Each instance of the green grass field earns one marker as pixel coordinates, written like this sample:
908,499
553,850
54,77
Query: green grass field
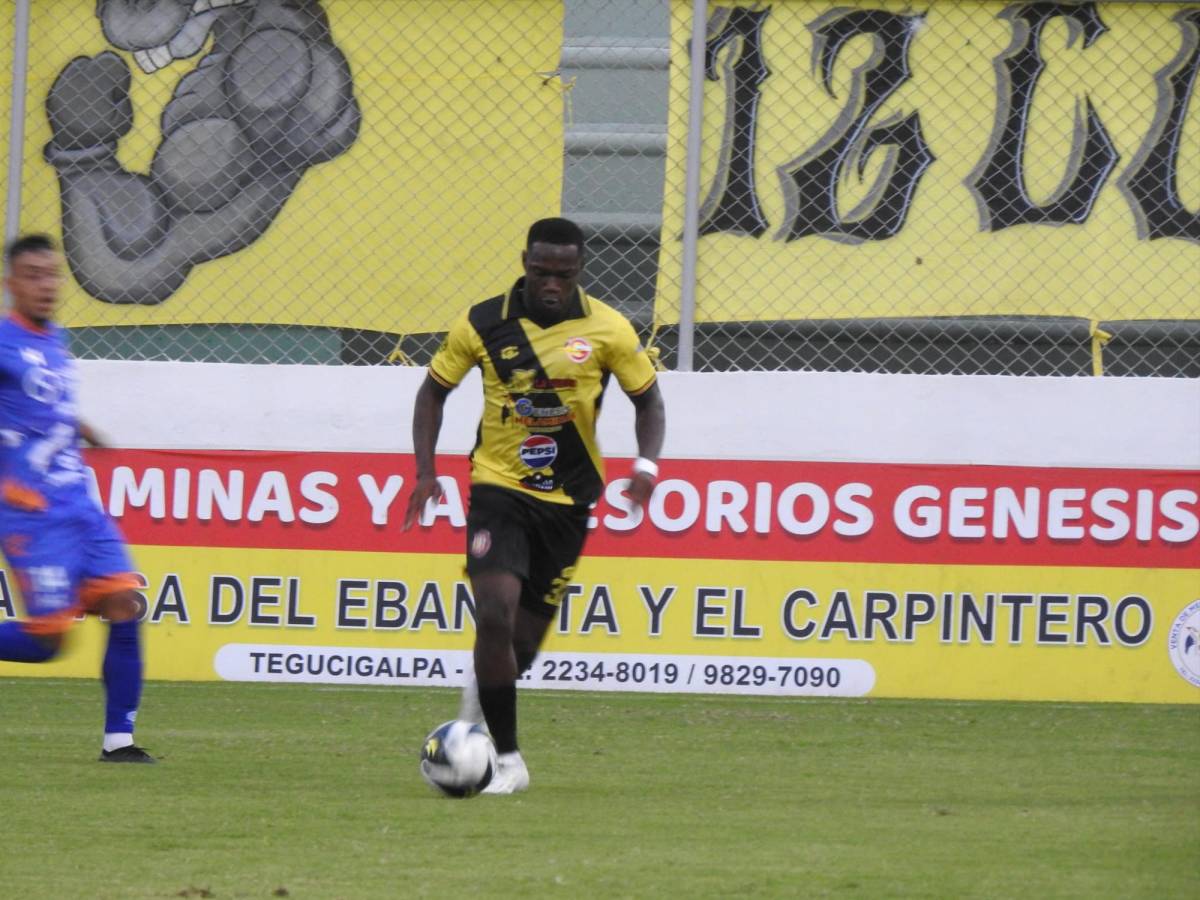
313,792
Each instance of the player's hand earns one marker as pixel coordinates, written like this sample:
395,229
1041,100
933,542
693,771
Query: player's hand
91,436
641,486
426,489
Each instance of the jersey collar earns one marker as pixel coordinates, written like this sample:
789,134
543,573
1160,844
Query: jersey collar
28,324
514,303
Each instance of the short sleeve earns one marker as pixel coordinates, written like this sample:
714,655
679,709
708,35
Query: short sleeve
457,355
627,360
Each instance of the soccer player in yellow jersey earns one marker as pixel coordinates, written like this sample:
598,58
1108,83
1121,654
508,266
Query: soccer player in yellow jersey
546,350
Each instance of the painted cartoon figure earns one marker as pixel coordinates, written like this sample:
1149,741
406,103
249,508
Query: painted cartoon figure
272,97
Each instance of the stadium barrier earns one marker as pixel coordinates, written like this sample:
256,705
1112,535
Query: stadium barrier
811,534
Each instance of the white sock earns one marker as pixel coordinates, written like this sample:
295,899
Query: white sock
510,759
469,709
117,740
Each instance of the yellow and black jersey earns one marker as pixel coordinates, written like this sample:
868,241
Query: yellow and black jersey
541,390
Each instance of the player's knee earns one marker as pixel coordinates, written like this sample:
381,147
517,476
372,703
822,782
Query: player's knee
123,606
493,623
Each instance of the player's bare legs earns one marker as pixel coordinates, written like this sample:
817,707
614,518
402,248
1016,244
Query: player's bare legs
38,641
122,606
529,630
497,595
528,633
497,613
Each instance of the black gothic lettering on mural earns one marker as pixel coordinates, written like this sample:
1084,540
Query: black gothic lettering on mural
1151,183
810,182
998,182
271,98
732,204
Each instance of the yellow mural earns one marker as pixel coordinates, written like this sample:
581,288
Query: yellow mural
336,163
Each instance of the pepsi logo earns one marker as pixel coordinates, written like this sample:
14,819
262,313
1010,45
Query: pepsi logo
538,451
578,349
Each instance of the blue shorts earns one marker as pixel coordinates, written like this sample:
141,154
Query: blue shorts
65,558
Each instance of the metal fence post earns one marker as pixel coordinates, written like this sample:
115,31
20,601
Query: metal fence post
691,202
16,125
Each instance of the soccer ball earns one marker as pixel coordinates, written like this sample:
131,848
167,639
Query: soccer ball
458,759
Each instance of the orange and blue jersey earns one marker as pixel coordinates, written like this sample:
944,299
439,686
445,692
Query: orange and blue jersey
59,543
39,416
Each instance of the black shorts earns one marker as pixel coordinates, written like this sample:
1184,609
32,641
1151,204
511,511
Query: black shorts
538,541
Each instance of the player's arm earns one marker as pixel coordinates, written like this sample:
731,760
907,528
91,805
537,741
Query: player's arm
426,425
458,353
90,435
649,425
627,359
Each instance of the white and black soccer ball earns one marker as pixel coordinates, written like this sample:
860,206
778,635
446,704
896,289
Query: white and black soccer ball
458,758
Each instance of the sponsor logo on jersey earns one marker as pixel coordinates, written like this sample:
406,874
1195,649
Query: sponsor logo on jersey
536,481
544,423
538,451
1183,643
527,410
578,349
43,385
509,352
542,418
552,384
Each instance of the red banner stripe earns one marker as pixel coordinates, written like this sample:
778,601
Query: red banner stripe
703,509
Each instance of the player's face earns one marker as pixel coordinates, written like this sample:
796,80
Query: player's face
551,279
33,281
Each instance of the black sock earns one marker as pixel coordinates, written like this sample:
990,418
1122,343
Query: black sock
525,659
500,710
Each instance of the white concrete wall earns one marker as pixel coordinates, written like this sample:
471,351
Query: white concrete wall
987,420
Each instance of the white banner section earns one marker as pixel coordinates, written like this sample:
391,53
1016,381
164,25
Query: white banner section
646,672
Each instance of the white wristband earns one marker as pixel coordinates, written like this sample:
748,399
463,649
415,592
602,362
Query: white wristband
643,466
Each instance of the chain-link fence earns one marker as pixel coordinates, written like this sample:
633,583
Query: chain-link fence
961,187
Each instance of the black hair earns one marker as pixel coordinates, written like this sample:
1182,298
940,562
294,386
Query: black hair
28,243
555,231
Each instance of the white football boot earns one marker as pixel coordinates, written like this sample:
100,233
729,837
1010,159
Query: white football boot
511,775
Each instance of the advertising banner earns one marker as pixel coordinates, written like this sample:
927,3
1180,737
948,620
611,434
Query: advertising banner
950,159
741,576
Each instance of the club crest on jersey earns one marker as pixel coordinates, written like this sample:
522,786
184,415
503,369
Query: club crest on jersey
538,451
578,349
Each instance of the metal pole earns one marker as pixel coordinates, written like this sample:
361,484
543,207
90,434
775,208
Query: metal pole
16,125
691,199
